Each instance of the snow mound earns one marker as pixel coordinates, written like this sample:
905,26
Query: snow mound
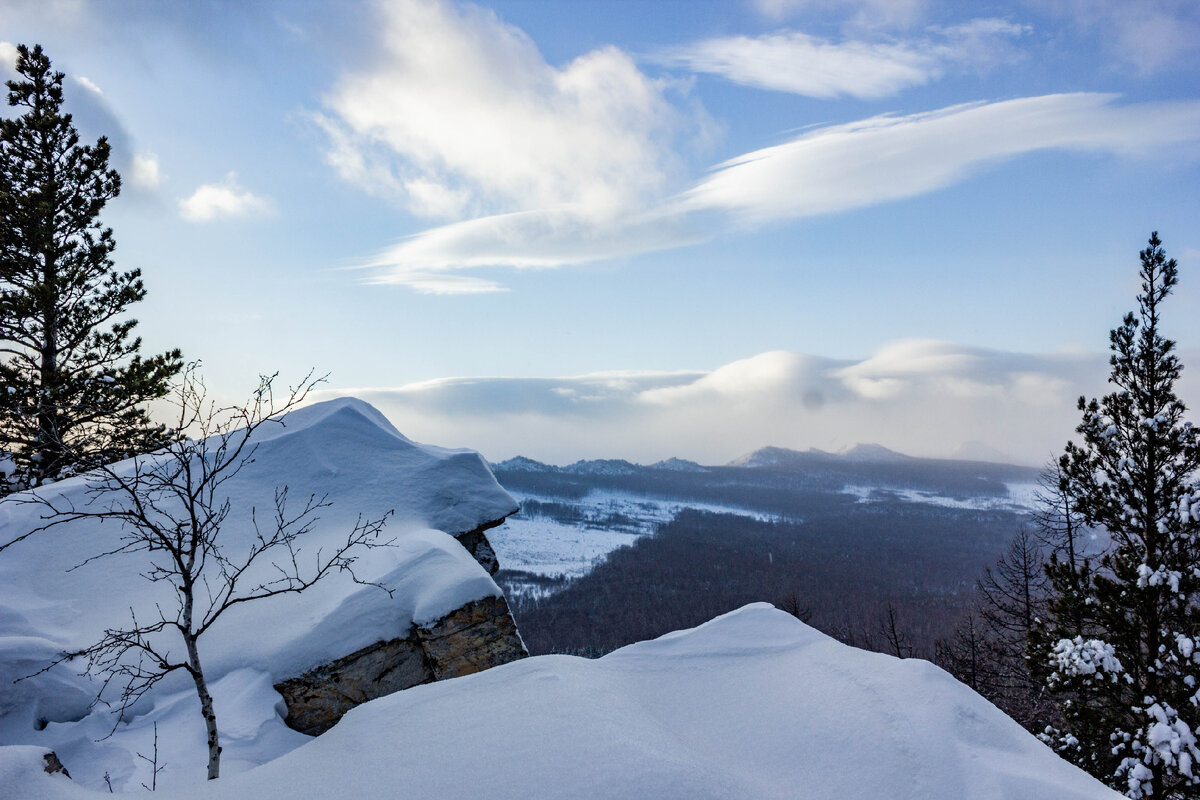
753,704
343,449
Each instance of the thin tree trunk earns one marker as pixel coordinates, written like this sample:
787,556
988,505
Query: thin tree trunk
197,672
47,424
206,709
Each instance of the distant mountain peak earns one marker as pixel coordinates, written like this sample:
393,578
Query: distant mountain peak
602,466
766,457
782,456
679,465
523,464
872,452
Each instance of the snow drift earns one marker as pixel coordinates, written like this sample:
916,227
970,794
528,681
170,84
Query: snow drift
753,704
344,449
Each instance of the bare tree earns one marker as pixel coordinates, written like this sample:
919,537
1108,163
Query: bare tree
171,506
793,603
897,643
965,653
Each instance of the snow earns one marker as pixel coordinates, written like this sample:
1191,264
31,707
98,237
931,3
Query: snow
545,546
753,704
1021,497
343,448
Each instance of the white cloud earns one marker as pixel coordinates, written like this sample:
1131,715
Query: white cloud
525,240
827,170
225,200
888,158
88,84
8,55
460,114
790,61
920,397
145,172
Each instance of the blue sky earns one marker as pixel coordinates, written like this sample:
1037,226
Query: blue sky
650,229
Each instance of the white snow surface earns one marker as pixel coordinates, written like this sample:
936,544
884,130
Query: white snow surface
342,448
753,704
552,548
1021,497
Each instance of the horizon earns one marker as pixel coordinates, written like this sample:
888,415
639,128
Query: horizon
606,230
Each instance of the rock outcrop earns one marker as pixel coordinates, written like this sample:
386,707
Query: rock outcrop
53,765
477,544
479,635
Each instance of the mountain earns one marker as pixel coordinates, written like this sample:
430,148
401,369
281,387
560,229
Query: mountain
873,453
753,704
678,465
784,457
602,466
523,464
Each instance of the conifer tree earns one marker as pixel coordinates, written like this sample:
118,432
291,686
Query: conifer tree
1121,649
73,386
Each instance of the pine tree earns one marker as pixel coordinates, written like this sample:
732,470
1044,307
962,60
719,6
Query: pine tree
1121,650
73,386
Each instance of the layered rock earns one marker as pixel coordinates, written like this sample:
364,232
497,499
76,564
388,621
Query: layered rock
477,544
479,635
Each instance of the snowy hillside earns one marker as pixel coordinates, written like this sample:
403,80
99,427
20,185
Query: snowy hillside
344,449
753,704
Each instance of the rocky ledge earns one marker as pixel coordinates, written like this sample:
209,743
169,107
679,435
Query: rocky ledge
479,635
472,638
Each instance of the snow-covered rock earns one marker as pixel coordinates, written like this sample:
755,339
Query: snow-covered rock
753,704
443,601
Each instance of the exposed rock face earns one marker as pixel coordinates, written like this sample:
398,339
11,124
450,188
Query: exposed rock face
479,635
317,699
477,544
53,765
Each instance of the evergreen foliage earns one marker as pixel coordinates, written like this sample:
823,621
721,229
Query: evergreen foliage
73,386
1120,649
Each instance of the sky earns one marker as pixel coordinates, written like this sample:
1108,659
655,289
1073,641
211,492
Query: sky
649,229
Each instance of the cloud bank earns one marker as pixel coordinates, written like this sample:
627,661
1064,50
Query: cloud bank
916,396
